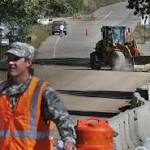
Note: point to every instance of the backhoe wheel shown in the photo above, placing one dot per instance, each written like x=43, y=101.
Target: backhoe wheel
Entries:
x=95, y=62
x=117, y=61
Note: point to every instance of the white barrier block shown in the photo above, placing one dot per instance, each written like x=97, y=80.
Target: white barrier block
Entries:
x=115, y=123
x=141, y=148
x=147, y=143
x=127, y=131
x=132, y=128
x=143, y=121
x=122, y=133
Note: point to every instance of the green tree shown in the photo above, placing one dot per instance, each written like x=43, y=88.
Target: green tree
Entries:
x=140, y=7
x=59, y=7
x=76, y=5
x=44, y=8
x=65, y=7
x=21, y=12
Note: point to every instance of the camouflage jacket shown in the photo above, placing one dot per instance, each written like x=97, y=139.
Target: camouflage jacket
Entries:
x=52, y=107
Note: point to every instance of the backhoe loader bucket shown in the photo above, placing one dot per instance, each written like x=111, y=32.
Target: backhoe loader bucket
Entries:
x=141, y=60
x=142, y=63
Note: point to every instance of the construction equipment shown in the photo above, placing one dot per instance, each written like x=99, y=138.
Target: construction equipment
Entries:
x=114, y=50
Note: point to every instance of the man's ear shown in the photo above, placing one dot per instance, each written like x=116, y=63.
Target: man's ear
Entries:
x=29, y=63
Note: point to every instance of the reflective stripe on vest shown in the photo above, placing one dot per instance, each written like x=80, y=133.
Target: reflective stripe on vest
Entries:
x=4, y=133
x=32, y=133
x=32, y=125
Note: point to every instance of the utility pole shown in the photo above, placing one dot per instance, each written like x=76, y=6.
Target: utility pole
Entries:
x=145, y=23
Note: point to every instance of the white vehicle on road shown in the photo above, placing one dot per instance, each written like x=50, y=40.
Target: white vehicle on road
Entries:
x=3, y=35
x=44, y=21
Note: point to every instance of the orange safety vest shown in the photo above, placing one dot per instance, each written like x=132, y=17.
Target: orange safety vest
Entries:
x=23, y=128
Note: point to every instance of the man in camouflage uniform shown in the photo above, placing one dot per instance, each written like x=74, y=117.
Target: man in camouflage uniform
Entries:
x=19, y=58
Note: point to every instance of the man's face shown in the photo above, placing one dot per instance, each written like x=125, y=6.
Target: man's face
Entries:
x=17, y=66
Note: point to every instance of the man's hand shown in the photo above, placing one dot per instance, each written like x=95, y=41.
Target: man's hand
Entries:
x=69, y=145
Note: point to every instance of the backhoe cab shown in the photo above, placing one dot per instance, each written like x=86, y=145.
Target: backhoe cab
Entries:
x=113, y=49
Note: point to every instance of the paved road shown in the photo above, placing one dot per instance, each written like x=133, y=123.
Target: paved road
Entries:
x=88, y=90
x=76, y=44
x=81, y=88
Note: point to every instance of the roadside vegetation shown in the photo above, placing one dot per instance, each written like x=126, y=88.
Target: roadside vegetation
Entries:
x=39, y=33
x=141, y=34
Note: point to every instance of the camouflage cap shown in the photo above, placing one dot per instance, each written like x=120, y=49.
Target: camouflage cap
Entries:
x=21, y=50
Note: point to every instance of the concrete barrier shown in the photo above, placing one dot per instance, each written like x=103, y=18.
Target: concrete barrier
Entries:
x=133, y=126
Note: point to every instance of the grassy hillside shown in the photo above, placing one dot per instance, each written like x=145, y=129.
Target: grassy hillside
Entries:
x=91, y=5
